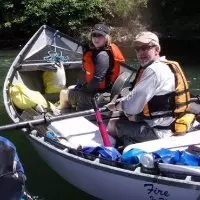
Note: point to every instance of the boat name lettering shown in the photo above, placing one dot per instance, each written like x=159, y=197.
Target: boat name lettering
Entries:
x=154, y=192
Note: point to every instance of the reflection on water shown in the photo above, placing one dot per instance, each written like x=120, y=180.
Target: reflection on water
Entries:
x=42, y=180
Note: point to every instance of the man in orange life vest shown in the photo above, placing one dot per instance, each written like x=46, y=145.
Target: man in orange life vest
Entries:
x=159, y=96
x=101, y=65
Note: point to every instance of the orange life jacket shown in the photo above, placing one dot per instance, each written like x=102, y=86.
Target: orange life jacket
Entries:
x=178, y=101
x=89, y=66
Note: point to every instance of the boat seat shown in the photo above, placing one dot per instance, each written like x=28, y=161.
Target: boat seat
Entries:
x=31, y=114
x=121, y=82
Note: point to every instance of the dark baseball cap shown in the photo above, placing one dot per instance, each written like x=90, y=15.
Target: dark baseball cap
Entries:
x=101, y=29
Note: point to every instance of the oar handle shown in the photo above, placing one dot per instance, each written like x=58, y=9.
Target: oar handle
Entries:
x=21, y=125
x=47, y=119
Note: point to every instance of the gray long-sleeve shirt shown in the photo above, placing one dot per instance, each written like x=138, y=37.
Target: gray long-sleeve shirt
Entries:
x=102, y=63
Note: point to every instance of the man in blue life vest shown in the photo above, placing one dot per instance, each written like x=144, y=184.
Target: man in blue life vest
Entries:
x=159, y=96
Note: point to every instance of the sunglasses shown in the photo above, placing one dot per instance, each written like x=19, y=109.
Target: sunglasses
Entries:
x=144, y=47
x=97, y=35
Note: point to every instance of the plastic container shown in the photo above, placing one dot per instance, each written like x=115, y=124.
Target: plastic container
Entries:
x=148, y=160
x=52, y=136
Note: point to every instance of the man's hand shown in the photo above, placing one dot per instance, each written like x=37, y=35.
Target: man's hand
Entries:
x=111, y=106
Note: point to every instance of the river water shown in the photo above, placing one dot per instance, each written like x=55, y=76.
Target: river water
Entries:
x=42, y=180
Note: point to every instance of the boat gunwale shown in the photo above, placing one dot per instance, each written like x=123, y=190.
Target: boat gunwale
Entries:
x=158, y=179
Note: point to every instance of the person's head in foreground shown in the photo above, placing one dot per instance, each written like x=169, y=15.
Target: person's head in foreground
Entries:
x=147, y=47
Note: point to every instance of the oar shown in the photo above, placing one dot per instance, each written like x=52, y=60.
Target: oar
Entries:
x=102, y=127
x=48, y=119
x=168, y=143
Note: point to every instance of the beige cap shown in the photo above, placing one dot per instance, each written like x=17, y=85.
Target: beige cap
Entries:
x=147, y=38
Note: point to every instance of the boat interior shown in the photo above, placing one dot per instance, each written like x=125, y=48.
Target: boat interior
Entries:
x=33, y=80
x=30, y=73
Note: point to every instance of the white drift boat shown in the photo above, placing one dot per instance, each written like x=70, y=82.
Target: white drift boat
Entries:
x=96, y=176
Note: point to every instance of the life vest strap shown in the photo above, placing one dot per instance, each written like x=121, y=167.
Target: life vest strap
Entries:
x=179, y=105
x=181, y=92
x=169, y=127
x=170, y=114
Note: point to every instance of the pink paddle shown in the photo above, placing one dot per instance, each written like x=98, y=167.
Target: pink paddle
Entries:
x=102, y=127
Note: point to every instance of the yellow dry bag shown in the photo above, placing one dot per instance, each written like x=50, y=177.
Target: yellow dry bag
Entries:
x=183, y=123
x=25, y=98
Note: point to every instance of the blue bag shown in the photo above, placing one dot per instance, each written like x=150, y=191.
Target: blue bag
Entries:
x=109, y=153
x=167, y=156
x=177, y=157
x=187, y=158
x=132, y=156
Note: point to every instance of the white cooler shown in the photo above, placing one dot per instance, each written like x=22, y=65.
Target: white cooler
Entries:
x=78, y=131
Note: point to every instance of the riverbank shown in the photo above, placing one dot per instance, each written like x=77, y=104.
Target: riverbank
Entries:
x=121, y=35
x=122, y=38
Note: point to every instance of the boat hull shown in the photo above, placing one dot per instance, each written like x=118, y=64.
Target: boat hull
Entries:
x=107, y=182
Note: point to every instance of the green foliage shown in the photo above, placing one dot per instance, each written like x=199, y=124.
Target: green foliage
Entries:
x=127, y=8
x=63, y=13
x=171, y=17
x=69, y=15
